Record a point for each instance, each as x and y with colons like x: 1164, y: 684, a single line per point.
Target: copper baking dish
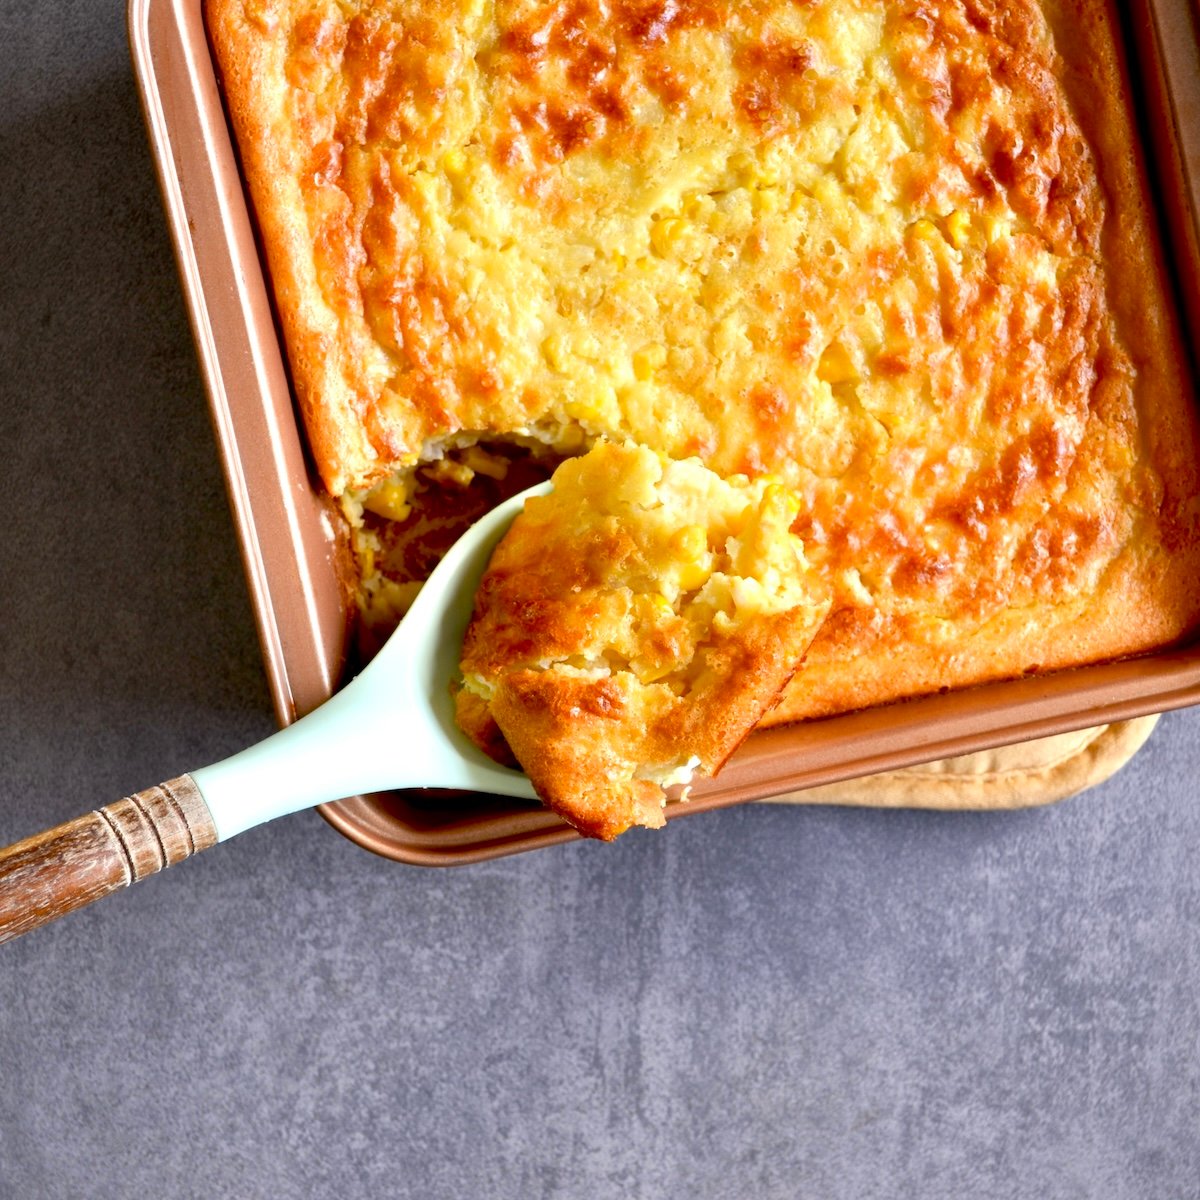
x: 296, y: 558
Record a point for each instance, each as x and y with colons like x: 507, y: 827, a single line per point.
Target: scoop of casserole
x: 633, y: 626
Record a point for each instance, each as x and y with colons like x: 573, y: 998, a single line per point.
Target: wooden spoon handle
x: 56, y: 872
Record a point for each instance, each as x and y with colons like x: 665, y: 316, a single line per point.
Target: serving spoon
x: 391, y: 727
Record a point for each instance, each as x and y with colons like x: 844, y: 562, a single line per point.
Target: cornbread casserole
x: 897, y: 255
x: 633, y: 626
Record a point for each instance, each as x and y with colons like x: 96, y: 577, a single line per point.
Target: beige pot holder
x: 1019, y: 776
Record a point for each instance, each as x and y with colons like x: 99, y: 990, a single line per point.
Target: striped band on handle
x: 53, y: 873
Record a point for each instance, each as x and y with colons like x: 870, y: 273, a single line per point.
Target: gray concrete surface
x: 759, y: 1003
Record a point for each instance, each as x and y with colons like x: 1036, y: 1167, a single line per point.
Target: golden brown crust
x: 278, y: 139
x: 1145, y: 594
x: 581, y: 741
x: 899, y: 254
x: 1139, y: 295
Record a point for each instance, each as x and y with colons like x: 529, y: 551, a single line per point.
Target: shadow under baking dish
x: 297, y: 558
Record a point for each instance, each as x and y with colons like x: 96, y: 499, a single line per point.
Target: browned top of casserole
x: 896, y: 254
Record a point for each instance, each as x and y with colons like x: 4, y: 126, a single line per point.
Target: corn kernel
x: 828, y: 194
x: 389, y: 500
x: 693, y: 577
x: 648, y: 359
x: 958, y: 228
x: 648, y: 671
x: 748, y: 596
x: 556, y: 352
x: 572, y: 440
x: 494, y: 466
x: 775, y: 495
x: 454, y: 163
x: 665, y: 236
x: 447, y: 470
x: 585, y: 410
x: 996, y: 229
x: 766, y: 200
x: 926, y: 230
x: 836, y: 365
x: 742, y: 162
x: 692, y: 542
x: 691, y: 546
x: 661, y: 605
